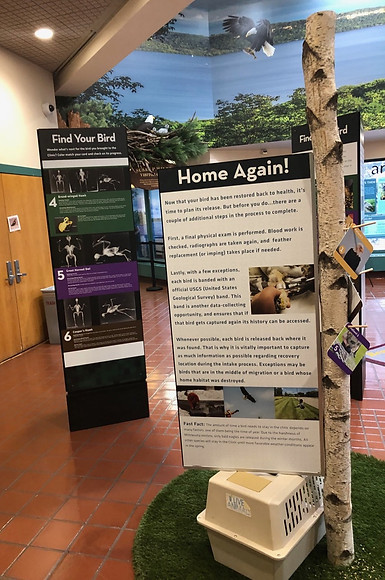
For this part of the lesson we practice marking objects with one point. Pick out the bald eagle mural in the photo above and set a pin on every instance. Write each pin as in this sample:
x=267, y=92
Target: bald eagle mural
x=259, y=34
x=147, y=125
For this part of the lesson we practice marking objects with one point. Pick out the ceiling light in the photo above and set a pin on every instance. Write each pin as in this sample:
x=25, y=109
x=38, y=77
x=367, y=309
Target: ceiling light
x=44, y=33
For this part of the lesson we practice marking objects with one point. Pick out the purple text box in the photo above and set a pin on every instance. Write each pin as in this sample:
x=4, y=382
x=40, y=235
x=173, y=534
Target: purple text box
x=96, y=280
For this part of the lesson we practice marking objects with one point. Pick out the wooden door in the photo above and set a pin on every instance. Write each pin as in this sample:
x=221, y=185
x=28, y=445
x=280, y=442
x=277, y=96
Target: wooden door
x=10, y=336
x=23, y=196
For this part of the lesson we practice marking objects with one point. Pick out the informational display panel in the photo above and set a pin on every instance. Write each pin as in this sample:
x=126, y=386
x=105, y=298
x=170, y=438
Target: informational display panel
x=240, y=256
x=351, y=135
x=90, y=221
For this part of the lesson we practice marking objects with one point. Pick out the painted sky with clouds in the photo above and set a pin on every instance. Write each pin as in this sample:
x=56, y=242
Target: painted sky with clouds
x=263, y=407
x=195, y=15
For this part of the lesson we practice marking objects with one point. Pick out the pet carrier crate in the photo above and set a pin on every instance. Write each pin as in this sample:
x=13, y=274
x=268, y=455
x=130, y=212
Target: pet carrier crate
x=263, y=526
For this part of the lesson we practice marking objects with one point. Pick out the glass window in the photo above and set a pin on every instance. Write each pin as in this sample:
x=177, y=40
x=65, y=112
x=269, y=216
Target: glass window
x=140, y=222
x=156, y=224
x=148, y=223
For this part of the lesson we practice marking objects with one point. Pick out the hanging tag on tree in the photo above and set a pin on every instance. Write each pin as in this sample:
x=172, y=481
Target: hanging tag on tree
x=353, y=252
x=354, y=301
x=349, y=348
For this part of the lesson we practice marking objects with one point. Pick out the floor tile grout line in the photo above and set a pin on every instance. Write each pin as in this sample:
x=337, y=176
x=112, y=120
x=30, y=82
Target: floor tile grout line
x=382, y=434
x=163, y=421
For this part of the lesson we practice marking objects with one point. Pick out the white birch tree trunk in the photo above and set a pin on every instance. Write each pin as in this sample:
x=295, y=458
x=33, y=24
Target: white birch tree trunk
x=321, y=94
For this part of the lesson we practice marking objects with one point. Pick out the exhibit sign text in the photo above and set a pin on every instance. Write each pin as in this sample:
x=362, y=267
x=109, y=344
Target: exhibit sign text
x=240, y=256
x=91, y=229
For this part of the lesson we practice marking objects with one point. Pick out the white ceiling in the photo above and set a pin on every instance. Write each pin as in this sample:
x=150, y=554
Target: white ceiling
x=74, y=23
x=91, y=36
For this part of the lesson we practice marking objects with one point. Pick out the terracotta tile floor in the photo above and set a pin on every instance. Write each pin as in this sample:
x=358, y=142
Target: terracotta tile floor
x=368, y=416
x=70, y=502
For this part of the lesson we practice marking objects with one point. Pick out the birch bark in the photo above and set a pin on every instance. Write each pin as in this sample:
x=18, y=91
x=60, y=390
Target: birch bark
x=321, y=94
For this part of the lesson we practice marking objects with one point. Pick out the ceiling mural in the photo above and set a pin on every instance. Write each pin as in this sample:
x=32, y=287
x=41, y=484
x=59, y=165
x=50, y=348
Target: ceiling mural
x=237, y=68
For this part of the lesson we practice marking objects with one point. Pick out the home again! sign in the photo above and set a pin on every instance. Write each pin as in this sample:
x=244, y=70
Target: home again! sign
x=241, y=270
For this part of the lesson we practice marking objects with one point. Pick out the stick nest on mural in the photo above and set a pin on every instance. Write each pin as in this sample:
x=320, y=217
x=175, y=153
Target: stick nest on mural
x=150, y=149
x=154, y=149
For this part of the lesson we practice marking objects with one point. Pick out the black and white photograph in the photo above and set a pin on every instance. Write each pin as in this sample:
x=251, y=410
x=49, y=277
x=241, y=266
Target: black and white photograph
x=112, y=247
x=117, y=308
x=77, y=312
x=59, y=180
x=110, y=179
x=68, y=251
x=86, y=179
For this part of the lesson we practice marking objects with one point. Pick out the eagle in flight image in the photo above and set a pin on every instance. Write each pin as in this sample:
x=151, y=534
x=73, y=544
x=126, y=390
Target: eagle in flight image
x=246, y=395
x=259, y=34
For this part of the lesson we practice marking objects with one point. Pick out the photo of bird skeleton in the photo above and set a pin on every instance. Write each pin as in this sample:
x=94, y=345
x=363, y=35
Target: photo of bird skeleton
x=70, y=247
x=116, y=309
x=109, y=251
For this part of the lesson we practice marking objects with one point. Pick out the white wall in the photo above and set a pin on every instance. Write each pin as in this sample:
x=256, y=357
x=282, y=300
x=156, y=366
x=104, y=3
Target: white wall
x=374, y=148
x=374, y=144
x=23, y=88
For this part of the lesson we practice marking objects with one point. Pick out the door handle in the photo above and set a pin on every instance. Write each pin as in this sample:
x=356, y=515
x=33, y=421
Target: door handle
x=10, y=275
x=18, y=274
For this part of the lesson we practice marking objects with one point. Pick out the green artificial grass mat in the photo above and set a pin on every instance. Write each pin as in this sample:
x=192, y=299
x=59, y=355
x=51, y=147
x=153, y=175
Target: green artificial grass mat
x=171, y=545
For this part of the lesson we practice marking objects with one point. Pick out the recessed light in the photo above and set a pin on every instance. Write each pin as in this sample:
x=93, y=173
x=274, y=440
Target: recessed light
x=44, y=33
